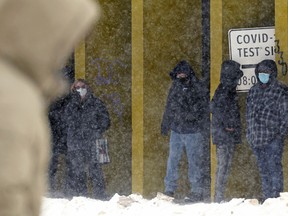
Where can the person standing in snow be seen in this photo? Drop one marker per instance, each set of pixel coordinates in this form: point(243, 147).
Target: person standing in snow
point(267, 126)
point(86, 119)
point(184, 116)
point(226, 123)
point(36, 38)
point(59, 146)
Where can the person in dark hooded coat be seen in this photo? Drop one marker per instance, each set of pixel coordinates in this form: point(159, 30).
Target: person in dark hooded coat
point(59, 147)
point(184, 116)
point(267, 126)
point(87, 119)
point(226, 123)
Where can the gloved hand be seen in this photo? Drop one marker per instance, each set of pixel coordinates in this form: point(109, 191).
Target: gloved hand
point(164, 131)
point(190, 117)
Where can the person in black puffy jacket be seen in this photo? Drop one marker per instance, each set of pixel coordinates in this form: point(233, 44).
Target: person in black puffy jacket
point(226, 123)
point(86, 119)
point(184, 115)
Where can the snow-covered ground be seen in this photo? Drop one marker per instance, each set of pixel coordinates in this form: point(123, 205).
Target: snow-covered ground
point(136, 205)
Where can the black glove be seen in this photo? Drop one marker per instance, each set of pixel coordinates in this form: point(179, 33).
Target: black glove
point(164, 131)
point(191, 117)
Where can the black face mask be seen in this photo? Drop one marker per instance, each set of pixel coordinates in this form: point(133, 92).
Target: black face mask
point(231, 84)
point(184, 80)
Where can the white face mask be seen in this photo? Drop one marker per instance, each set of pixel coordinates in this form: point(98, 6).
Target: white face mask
point(82, 91)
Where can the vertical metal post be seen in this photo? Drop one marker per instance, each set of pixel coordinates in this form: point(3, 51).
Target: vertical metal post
point(80, 65)
point(137, 97)
point(216, 60)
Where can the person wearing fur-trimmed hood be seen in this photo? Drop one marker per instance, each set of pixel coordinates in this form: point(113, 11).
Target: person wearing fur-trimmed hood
point(36, 38)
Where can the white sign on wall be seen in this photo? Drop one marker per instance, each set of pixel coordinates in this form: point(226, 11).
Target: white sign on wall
point(249, 46)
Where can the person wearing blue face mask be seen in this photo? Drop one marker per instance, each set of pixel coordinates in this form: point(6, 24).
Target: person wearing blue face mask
point(264, 77)
point(267, 126)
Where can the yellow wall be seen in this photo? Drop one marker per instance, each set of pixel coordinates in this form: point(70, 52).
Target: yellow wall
point(108, 69)
point(281, 34)
point(172, 32)
point(137, 97)
point(128, 57)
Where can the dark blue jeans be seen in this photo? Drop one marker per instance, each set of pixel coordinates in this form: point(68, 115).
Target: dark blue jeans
point(224, 159)
point(194, 146)
point(269, 161)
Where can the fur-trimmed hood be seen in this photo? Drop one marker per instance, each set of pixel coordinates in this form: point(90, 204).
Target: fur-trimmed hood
point(37, 36)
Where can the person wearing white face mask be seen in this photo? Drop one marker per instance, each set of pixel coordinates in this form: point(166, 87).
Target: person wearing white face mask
point(86, 119)
point(82, 91)
point(267, 126)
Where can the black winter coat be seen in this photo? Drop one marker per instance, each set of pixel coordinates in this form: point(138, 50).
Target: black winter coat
point(86, 121)
point(225, 114)
point(57, 124)
point(225, 108)
point(184, 112)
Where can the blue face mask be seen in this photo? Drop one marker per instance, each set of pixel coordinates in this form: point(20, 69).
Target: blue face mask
point(263, 77)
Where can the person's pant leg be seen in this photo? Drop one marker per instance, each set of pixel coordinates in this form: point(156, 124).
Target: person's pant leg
point(175, 152)
point(96, 175)
point(76, 179)
point(263, 160)
point(269, 160)
point(276, 168)
point(194, 144)
point(224, 158)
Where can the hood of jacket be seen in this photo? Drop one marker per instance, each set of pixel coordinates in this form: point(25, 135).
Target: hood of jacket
point(37, 36)
point(266, 66)
point(183, 67)
point(230, 73)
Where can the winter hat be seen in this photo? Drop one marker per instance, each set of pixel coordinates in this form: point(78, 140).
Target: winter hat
point(230, 72)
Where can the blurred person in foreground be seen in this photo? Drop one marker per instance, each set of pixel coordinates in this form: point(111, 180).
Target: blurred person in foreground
point(184, 115)
point(267, 126)
point(36, 38)
point(226, 123)
point(86, 118)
